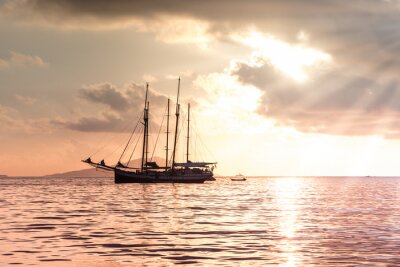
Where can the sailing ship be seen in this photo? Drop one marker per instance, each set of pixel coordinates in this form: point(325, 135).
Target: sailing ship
point(149, 171)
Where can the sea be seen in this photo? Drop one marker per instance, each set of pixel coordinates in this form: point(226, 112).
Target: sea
point(264, 221)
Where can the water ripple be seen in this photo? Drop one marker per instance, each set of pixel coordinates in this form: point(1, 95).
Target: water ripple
point(287, 221)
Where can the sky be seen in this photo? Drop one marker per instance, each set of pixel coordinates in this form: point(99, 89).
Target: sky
point(276, 87)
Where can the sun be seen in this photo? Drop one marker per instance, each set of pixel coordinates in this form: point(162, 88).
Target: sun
point(291, 59)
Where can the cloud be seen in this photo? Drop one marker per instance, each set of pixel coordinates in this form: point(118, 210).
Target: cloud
point(5, 117)
point(363, 34)
point(12, 122)
point(358, 88)
point(124, 105)
point(290, 17)
point(103, 15)
point(333, 101)
point(149, 78)
point(26, 100)
point(118, 109)
point(330, 97)
point(104, 122)
point(106, 93)
point(228, 106)
point(291, 59)
point(21, 60)
point(186, 73)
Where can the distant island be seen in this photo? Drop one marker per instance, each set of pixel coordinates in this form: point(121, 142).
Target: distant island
point(3, 176)
point(84, 173)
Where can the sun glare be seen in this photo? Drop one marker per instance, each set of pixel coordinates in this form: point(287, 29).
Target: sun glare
point(231, 100)
point(291, 59)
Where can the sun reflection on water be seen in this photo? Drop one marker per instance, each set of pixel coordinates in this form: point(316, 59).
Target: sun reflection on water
point(287, 191)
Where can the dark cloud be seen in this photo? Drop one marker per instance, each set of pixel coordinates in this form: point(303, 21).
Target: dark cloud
point(124, 105)
point(290, 16)
point(334, 101)
point(106, 94)
point(106, 122)
point(363, 33)
point(217, 10)
point(359, 96)
point(333, 16)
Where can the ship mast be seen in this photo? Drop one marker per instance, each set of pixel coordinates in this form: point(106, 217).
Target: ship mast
point(176, 123)
point(145, 130)
point(187, 138)
point(166, 148)
point(147, 135)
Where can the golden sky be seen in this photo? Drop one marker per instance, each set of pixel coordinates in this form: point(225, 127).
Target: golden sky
point(277, 87)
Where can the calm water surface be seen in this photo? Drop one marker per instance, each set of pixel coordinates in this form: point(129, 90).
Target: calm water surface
point(289, 221)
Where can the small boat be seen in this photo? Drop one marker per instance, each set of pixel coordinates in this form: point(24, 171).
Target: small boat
point(239, 177)
point(149, 171)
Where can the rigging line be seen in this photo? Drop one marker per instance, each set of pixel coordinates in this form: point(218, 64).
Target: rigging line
point(199, 151)
point(179, 133)
point(158, 135)
point(127, 144)
point(137, 142)
point(118, 147)
point(150, 138)
point(194, 141)
point(201, 148)
point(137, 134)
point(151, 115)
point(150, 129)
point(114, 150)
point(212, 155)
point(105, 143)
point(201, 140)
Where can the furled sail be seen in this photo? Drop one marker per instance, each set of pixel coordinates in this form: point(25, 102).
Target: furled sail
point(194, 164)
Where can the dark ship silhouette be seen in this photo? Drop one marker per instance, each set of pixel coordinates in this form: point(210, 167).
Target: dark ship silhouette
point(150, 171)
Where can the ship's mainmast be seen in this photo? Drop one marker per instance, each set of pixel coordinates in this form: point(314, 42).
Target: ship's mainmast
point(145, 130)
point(188, 136)
point(176, 123)
point(166, 147)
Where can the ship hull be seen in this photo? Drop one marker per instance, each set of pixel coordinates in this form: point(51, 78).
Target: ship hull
point(122, 176)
